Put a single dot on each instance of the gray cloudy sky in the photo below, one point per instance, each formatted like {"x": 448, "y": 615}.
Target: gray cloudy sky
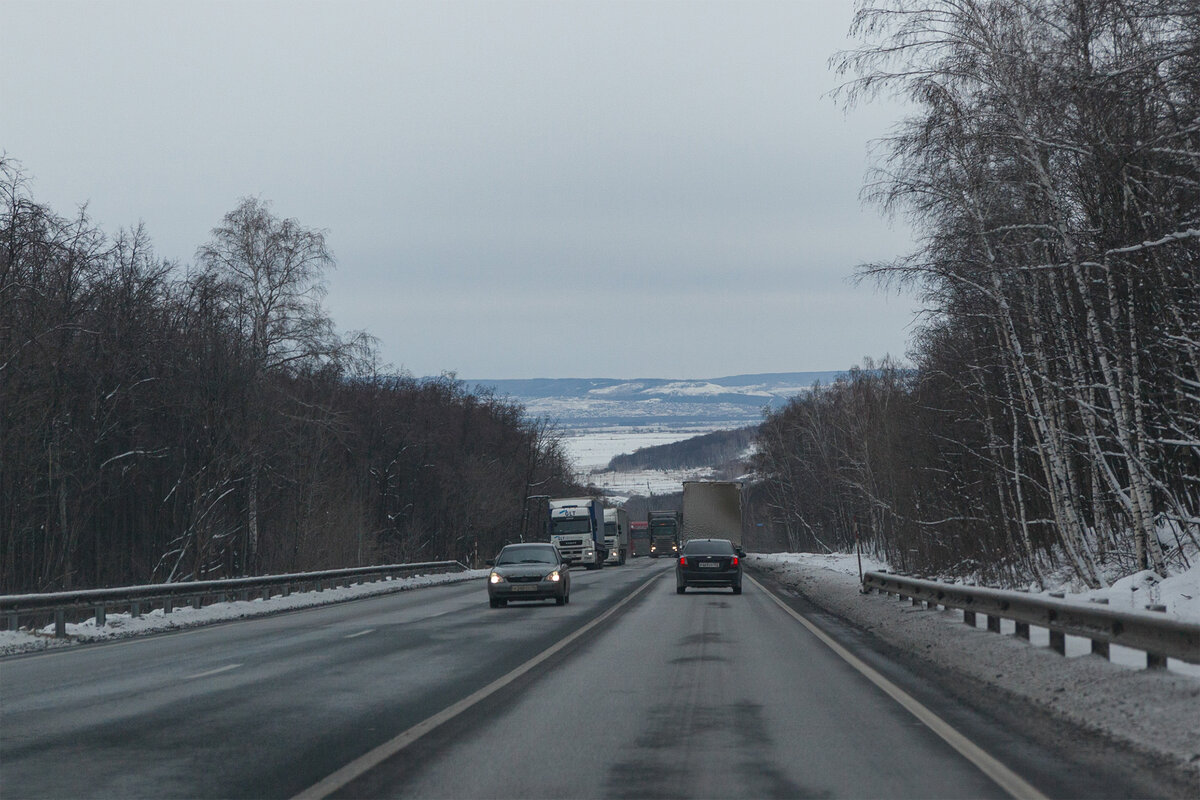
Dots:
{"x": 494, "y": 176}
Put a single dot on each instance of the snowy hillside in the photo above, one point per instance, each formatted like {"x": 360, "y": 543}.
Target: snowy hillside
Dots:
{"x": 710, "y": 403}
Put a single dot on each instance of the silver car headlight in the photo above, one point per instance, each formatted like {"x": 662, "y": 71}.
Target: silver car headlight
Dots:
{"x": 496, "y": 577}
{"x": 553, "y": 576}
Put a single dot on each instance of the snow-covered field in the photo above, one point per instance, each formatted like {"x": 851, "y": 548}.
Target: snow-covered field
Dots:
{"x": 591, "y": 449}
{"x": 1154, "y": 711}
{"x": 123, "y": 625}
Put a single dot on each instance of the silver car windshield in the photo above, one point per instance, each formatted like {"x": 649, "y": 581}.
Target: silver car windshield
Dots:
{"x": 526, "y": 555}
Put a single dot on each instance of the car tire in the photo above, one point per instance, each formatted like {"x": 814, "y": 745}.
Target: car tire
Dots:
{"x": 737, "y": 589}
{"x": 567, "y": 598}
{"x": 493, "y": 603}
{"x": 680, "y": 589}
{"x": 560, "y": 600}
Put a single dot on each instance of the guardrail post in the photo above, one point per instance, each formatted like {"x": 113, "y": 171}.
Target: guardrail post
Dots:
{"x": 197, "y": 601}
{"x": 1023, "y": 630}
{"x": 244, "y": 595}
{"x": 969, "y": 618}
{"x": 1155, "y": 661}
{"x": 1058, "y": 642}
{"x": 287, "y": 590}
{"x": 60, "y": 624}
{"x": 12, "y": 621}
{"x": 266, "y": 593}
{"x": 993, "y": 623}
{"x": 135, "y": 608}
{"x": 1100, "y": 648}
{"x": 917, "y": 602}
{"x": 168, "y": 604}
{"x": 100, "y": 619}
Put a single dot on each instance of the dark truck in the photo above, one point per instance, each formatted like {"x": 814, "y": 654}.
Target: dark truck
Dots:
{"x": 664, "y": 533}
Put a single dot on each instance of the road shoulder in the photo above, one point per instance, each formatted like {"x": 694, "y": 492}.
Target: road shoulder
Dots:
{"x": 1137, "y": 724}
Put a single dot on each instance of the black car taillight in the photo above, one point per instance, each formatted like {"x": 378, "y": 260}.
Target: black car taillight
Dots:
{"x": 733, "y": 562}
{"x": 683, "y": 561}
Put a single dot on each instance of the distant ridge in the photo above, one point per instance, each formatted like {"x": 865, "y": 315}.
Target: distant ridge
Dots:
{"x": 730, "y": 401}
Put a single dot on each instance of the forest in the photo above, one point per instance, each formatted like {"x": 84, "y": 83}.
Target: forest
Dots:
{"x": 724, "y": 450}
{"x": 166, "y": 422}
{"x": 1048, "y": 415}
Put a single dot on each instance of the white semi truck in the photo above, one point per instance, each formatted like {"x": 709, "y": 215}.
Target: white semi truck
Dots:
{"x": 616, "y": 535}
{"x": 712, "y": 510}
{"x": 577, "y": 528}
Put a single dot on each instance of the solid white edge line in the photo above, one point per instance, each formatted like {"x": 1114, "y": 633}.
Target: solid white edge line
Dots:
{"x": 375, "y": 757}
{"x": 1005, "y": 778}
{"x": 360, "y": 633}
{"x": 216, "y": 671}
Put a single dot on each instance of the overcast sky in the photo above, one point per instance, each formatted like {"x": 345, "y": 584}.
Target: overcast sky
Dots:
{"x": 511, "y": 189}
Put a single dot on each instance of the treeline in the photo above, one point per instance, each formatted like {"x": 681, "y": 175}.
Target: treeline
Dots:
{"x": 721, "y": 449}
{"x": 1052, "y": 172}
{"x": 161, "y": 423}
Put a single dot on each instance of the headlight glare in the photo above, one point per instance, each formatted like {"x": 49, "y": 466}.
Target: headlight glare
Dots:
{"x": 496, "y": 577}
{"x": 554, "y": 576}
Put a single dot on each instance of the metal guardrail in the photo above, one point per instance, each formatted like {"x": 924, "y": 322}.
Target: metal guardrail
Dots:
{"x": 138, "y": 598}
{"x": 1159, "y": 638}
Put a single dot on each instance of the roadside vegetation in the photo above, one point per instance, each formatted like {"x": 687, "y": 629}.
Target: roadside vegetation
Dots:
{"x": 725, "y": 451}
{"x": 167, "y": 422}
{"x": 1051, "y": 416}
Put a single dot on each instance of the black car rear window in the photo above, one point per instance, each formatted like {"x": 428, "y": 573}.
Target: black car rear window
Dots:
{"x": 708, "y": 547}
{"x": 536, "y": 554}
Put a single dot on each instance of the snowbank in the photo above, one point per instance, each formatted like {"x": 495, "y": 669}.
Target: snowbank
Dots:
{"x": 123, "y": 625}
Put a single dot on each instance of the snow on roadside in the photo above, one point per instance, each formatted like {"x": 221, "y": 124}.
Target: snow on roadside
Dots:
{"x": 1153, "y": 710}
{"x": 123, "y": 625}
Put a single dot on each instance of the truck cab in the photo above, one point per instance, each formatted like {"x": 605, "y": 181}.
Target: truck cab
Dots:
{"x": 664, "y": 529}
{"x": 577, "y": 528}
{"x": 616, "y": 536}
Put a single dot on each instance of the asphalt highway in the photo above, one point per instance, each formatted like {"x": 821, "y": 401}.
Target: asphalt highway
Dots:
{"x": 629, "y": 691}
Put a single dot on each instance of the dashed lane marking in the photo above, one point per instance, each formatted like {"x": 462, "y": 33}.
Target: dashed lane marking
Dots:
{"x": 216, "y": 671}
{"x": 374, "y": 758}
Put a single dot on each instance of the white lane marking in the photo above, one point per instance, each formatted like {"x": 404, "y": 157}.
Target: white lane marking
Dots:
{"x": 361, "y": 633}
{"x": 374, "y": 758}
{"x": 1006, "y": 779}
{"x": 216, "y": 671}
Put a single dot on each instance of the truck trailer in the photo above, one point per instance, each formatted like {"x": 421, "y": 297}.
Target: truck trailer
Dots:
{"x": 616, "y": 535}
{"x": 577, "y": 528}
{"x": 712, "y": 510}
{"x": 639, "y": 539}
{"x": 664, "y": 533}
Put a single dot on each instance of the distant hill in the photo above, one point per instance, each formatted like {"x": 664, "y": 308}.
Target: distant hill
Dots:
{"x": 729, "y": 402}
{"x": 720, "y": 450}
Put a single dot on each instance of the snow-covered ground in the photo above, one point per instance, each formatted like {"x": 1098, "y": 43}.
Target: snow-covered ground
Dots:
{"x": 123, "y": 625}
{"x": 591, "y": 450}
{"x": 1156, "y": 711}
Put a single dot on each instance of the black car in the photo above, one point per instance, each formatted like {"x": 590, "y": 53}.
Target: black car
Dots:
{"x": 533, "y": 571}
{"x": 709, "y": 562}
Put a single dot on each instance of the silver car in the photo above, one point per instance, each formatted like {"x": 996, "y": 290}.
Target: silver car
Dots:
{"x": 532, "y": 571}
